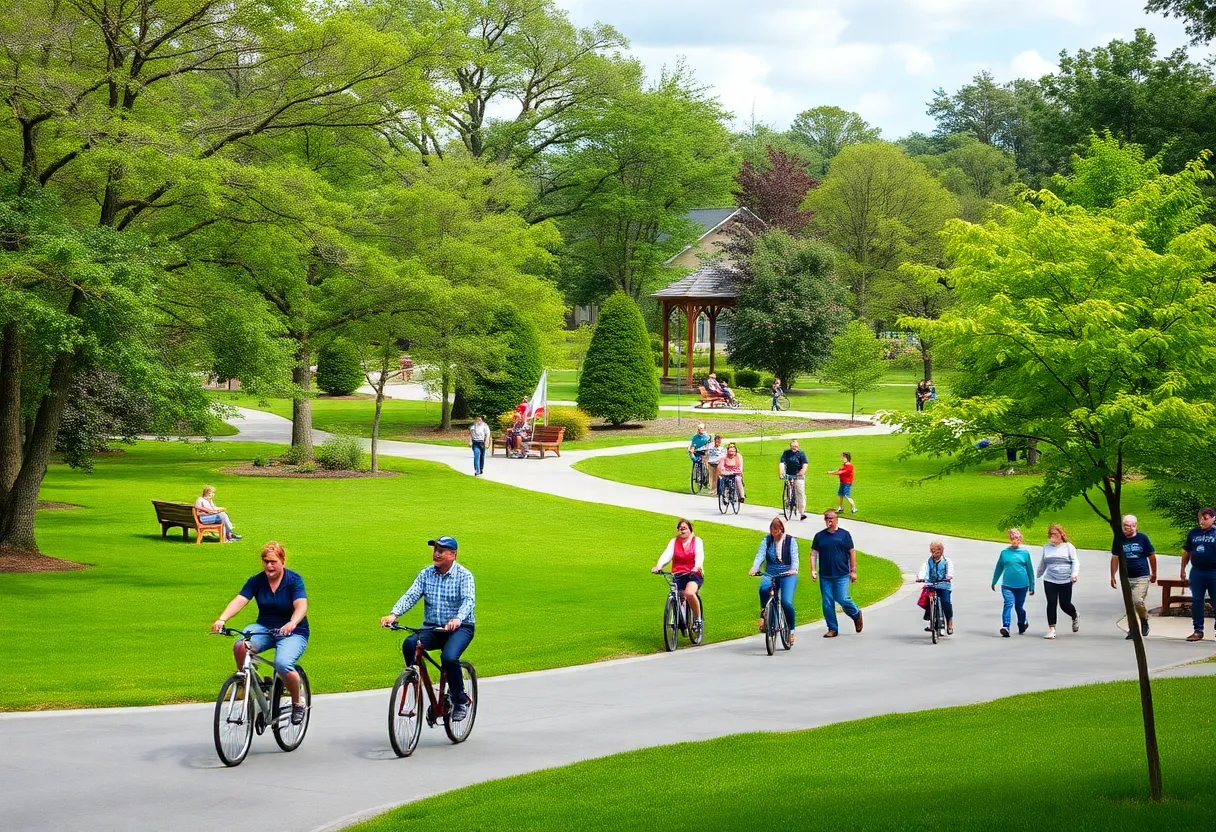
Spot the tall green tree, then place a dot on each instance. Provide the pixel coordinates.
(879, 209)
(515, 375)
(856, 362)
(789, 308)
(827, 130)
(1089, 332)
(977, 174)
(618, 382)
(649, 159)
(1008, 116)
(1200, 16)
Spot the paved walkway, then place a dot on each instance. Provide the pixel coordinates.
(155, 768)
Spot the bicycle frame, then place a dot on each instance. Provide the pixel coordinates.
(422, 657)
(681, 602)
(254, 691)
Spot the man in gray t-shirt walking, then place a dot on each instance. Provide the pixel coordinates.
(479, 437)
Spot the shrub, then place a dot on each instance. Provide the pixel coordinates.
(339, 368)
(747, 378)
(503, 385)
(294, 456)
(340, 453)
(259, 462)
(727, 377)
(618, 381)
(576, 422)
(306, 468)
(768, 383)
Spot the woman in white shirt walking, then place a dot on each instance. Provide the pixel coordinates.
(1059, 568)
(210, 513)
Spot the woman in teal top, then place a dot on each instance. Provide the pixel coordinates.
(1016, 575)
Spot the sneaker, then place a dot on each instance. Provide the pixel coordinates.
(459, 713)
(236, 537)
(1129, 636)
(1144, 627)
(1051, 632)
(297, 714)
(831, 634)
(742, 501)
(1022, 628)
(698, 624)
(1195, 637)
(854, 511)
(1076, 624)
(802, 517)
(857, 622)
(928, 629)
(840, 509)
(1005, 632)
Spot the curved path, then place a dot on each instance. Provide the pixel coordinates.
(155, 768)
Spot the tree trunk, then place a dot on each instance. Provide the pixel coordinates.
(10, 409)
(380, 384)
(853, 408)
(927, 358)
(445, 407)
(301, 403)
(18, 522)
(460, 403)
(1113, 502)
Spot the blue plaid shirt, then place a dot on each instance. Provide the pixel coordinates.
(447, 596)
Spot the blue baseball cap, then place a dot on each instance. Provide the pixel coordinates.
(444, 542)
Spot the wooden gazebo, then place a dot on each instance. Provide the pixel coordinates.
(709, 290)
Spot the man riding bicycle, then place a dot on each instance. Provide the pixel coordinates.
(698, 445)
(447, 616)
(793, 464)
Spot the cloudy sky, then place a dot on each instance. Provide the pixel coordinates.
(881, 58)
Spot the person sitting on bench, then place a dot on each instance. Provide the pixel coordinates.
(210, 514)
(718, 389)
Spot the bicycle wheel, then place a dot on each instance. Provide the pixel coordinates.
(789, 503)
(404, 716)
(783, 403)
(696, 632)
(734, 500)
(289, 736)
(233, 720)
(671, 624)
(770, 625)
(786, 643)
(695, 483)
(459, 731)
(935, 621)
(724, 499)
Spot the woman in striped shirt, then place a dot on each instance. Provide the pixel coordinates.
(1059, 568)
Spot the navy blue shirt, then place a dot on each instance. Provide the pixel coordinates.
(1201, 546)
(276, 608)
(833, 549)
(794, 461)
(1135, 550)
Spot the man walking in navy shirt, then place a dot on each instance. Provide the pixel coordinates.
(834, 559)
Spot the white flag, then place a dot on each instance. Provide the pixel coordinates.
(538, 405)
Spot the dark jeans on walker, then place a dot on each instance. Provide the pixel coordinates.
(1202, 581)
(453, 644)
(1061, 594)
(1014, 596)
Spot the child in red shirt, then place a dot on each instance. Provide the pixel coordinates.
(845, 491)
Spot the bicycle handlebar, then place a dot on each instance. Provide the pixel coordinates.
(409, 629)
(231, 633)
(782, 575)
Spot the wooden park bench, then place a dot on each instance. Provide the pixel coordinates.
(713, 400)
(1174, 593)
(185, 516)
(544, 438)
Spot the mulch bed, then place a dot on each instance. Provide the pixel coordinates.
(26, 561)
(289, 472)
(50, 505)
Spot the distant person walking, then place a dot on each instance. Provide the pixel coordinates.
(1136, 550)
(1059, 568)
(922, 394)
(479, 437)
(1200, 552)
(793, 464)
(1015, 573)
(777, 392)
(834, 560)
(845, 490)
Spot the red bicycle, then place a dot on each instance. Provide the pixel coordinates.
(404, 715)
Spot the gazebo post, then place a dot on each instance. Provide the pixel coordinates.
(666, 307)
(712, 312)
(688, 314)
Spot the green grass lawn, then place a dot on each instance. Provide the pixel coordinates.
(1014, 763)
(965, 505)
(132, 629)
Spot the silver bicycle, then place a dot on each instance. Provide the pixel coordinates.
(250, 702)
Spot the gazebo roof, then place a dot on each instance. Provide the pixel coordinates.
(710, 282)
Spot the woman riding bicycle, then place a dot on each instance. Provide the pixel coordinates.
(686, 554)
(938, 572)
(282, 620)
(731, 468)
(779, 552)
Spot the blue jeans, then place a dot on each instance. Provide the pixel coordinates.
(452, 644)
(213, 519)
(479, 457)
(836, 591)
(1014, 597)
(1202, 581)
(786, 587)
(287, 649)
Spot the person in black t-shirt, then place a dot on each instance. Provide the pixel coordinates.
(1200, 552)
(793, 464)
(1136, 550)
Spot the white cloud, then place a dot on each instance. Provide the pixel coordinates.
(1030, 64)
(876, 106)
(917, 60)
